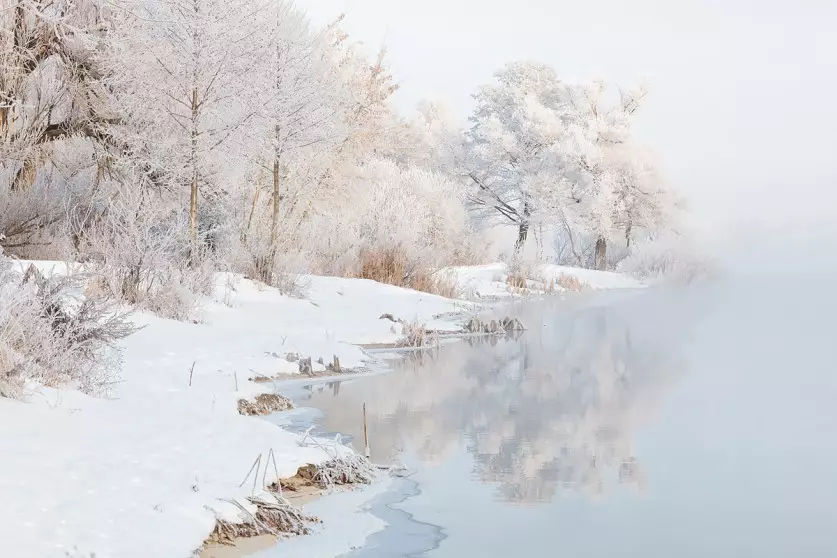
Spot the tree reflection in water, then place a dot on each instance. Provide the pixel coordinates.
(555, 408)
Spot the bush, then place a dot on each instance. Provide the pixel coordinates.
(52, 335)
(392, 266)
(33, 218)
(401, 227)
(139, 247)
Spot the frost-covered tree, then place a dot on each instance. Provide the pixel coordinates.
(180, 71)
(643, 199)
(609, 175)
(53, 112)
(296, 126)
(366, 116)
(513, 144)
(541, 151)
(300, 105)
(431, 139)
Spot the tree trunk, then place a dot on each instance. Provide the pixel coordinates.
(601, 254)
(522, 229)
(4, 120)
(522, 235)
(26, 174)
(628, 234)
(274, 229)
(193, 199)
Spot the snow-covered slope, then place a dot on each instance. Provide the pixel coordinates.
(140, 474)
(145, 472)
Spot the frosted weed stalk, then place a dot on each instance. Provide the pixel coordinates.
(274, 516)
(342, 468)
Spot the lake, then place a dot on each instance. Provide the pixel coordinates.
(666, 422)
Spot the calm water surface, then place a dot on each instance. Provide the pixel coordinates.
(691, 423)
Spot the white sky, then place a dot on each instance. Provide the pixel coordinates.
(743, 105)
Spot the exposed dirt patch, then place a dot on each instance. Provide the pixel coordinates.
(241, 547)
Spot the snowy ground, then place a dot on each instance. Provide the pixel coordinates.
(493, 280)
(146, 472)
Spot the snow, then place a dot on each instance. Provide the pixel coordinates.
(346, 523)
(146, 471)
(491, 281)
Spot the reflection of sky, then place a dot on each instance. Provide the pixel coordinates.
(554, 410)
(739, 460)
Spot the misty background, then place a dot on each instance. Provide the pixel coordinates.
(740, 114)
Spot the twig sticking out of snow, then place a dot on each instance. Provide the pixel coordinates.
(365, 433)
(256, 466)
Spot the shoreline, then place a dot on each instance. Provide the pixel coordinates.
(305, 493)
(245, 546)
(171, 439)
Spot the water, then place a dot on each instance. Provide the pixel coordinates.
(689, 423)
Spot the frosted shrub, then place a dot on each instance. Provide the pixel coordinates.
(281, 265)
(32, 219)
(404, 225)
(139, 248)
(52, 335)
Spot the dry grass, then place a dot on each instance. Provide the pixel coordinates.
(517, 280)
(415, 335)
(265, 404)
(342, 470)
(524, 282)
(52, 336)
(571, 283)
(391, 266)
(274, 516)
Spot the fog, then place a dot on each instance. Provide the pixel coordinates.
(741, 112)
(665, 422)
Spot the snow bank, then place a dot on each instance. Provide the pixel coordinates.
(492, 280)
(146, 473)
